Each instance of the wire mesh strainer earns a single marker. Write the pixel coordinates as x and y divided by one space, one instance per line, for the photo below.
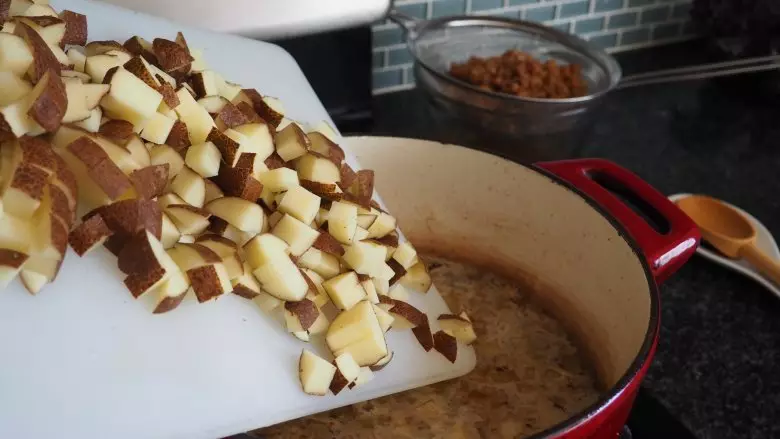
438 43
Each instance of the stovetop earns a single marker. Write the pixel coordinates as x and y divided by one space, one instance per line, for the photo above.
651 420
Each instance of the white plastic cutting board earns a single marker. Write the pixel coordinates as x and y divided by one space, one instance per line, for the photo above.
83 360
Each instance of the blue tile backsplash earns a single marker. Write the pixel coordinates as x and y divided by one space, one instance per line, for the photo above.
611 24
589 25
577 9
618 21
545 13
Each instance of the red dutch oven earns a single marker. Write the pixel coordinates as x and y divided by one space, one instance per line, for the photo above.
563 227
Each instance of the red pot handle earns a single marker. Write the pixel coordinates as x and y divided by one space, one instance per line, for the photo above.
665 251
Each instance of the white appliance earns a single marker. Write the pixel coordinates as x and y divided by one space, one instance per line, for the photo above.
264 19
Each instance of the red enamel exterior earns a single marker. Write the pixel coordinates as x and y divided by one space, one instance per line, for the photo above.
665 253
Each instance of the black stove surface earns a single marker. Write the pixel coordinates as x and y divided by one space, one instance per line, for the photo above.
651 420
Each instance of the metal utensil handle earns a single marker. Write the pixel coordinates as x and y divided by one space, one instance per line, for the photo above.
407 22
713 70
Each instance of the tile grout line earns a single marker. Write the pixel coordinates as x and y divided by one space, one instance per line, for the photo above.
391 68
621 33
393 88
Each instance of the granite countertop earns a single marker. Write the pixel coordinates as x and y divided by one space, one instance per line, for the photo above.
716 367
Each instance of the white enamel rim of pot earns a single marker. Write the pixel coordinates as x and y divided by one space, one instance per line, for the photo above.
541 230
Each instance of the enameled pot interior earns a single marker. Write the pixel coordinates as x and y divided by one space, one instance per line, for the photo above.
489 211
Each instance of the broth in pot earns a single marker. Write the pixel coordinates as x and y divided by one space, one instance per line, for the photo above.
530 374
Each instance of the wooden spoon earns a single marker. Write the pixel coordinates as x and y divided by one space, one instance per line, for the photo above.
729 232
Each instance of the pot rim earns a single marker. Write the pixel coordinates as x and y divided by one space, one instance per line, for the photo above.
646 350
645 353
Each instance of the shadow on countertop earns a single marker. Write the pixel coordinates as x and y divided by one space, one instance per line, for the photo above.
716 367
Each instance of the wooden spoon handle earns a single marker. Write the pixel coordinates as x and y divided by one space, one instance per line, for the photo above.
766 265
